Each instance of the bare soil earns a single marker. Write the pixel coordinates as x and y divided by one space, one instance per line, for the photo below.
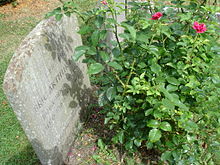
27 8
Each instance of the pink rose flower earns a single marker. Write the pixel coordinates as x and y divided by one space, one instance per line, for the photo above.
94 148
104 2
200 28
156 16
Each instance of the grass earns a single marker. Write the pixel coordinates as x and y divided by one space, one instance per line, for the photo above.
15 148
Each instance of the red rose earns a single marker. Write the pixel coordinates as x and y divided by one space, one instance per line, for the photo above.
156 16
104 2
200 28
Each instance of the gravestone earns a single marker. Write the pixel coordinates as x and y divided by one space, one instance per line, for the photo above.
47 90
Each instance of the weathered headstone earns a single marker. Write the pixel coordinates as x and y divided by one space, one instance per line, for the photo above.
47 90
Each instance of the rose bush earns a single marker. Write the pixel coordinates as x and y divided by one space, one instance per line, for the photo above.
157 86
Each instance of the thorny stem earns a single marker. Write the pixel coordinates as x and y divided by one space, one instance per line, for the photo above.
182 10
164 41
118 78
126 8
152 39
199 119
193 47
150 7
116 29
129 77
116 36
194 43
153 35
79 14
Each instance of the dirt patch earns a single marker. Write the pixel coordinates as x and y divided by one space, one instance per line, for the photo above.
27 8
85 145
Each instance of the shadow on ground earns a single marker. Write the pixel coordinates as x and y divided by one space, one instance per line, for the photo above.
25 157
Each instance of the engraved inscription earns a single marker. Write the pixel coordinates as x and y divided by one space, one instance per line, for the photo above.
39 103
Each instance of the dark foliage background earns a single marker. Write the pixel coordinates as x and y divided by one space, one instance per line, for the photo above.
2 2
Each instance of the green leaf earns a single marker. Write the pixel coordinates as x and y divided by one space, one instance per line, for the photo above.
107 120
101 144
105 57
116 52
91 51
95 68
153 49
115 138
115 65
49 14
57 10
165 126
78 54
102 99
166 156
137 142
173 81
154 135
142 65
142 37
68 14
149 145
157 114
85 30
129 145
99 21
111 93
155 68
97 158
190 126
131 30
173 98
193 83
130 161
191 138
58 17
111 20
166 30
95 38
171 88
148 112
218 130
153 123
168 104
103 34
121 137
185 17
124 35
79 48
